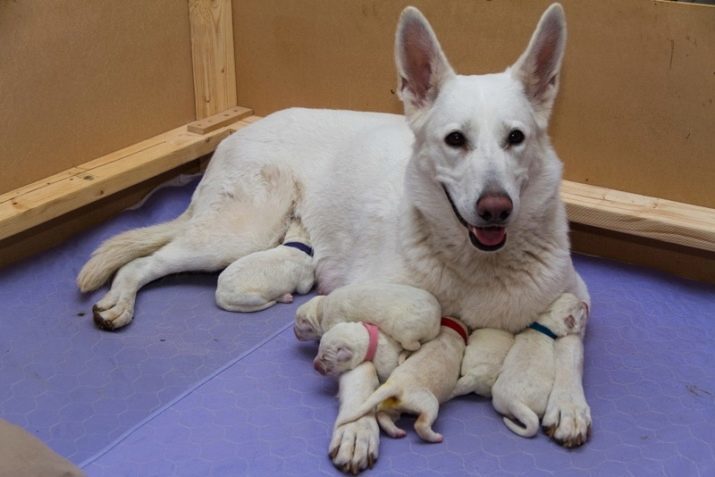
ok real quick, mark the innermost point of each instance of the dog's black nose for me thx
(494, 208)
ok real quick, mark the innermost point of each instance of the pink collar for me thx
(456, 325)
(373, 332)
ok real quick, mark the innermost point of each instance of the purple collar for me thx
(300, 246)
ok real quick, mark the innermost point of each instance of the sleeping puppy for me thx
(262, 279)
(426, 379)
(344, 346)
(522, 389)
(409, 315)
(483, 359)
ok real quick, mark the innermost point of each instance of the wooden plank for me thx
(206, 125)
(50, 198)
(213, 57)
(633, 214)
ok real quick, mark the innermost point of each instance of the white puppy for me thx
(409, 315)
(483, 359)
(344, 346)
(426, 379)
(522, 389)
(262, 279)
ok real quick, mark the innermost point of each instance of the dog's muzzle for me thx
(487, 238)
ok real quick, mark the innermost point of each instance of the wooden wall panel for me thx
(80, 79)
(636, 108)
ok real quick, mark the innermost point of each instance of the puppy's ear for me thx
(422, 67)
(343, 354)
(570, 322)
(538, 67)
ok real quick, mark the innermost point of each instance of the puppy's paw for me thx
(113, 311)
(567, 421)
(354, 447)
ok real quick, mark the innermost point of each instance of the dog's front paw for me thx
(355, 446)
(567, 420)
(113, 311)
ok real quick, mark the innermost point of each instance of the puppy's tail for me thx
(123, 248)
(526, 416)
(384, 392)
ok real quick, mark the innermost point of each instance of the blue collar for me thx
(300, 246)
(543, 329)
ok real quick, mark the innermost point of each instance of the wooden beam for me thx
(212, 54)
(633, 214)
(206, 125)
(54, 196)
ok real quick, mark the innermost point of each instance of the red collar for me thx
(373, 332)
(457, 326)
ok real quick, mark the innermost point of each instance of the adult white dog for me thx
(460, 197)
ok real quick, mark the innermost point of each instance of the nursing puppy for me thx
(409, 315)
(346, 345)
(262, 279)
(522, 389)
(426, 379)
(483, 359)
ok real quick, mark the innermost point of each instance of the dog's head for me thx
(307, 320)
(337, 351)
(480, 140)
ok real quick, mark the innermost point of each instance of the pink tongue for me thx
(489, 235)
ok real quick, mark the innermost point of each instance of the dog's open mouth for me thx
(487, 239)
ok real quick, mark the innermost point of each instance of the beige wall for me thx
(636, 108)
(79, 79)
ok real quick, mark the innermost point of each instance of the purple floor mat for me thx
(191, 390)
(79, 389)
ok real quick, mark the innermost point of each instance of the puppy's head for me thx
(340, 349)
(307, 320)
(567, 315)
(480, 140)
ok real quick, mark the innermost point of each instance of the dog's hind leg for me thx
(427, 405)
(224, 232)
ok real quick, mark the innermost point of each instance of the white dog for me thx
(522, 389)
(459, 197)
(420, 384)
(483, 359)
(262, 279)
(344, 346)
(409, 315)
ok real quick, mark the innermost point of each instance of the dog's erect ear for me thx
(421, 65)
(538, 67)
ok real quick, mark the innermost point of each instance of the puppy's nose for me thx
(319, 366)
(494, 207)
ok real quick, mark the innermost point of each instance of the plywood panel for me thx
(636, 109)
(81, 79)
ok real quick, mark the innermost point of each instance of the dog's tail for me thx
(384, 392)
(123, 248)
(526, 416)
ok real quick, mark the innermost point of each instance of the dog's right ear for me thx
(422, 67)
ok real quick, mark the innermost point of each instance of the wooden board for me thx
(636, 108)
(213, 56)
(69, 190)
(82, 79)
(211, 123)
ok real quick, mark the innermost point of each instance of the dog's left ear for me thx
(538, 67)
(421, 65)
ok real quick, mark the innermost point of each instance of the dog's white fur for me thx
(343, 347)
(522, 389)
(482, 362)
(409, 315)
(373, 202)
(262, 279)
(419, 385)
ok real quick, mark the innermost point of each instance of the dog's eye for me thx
(515, 137)
(455, 139)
